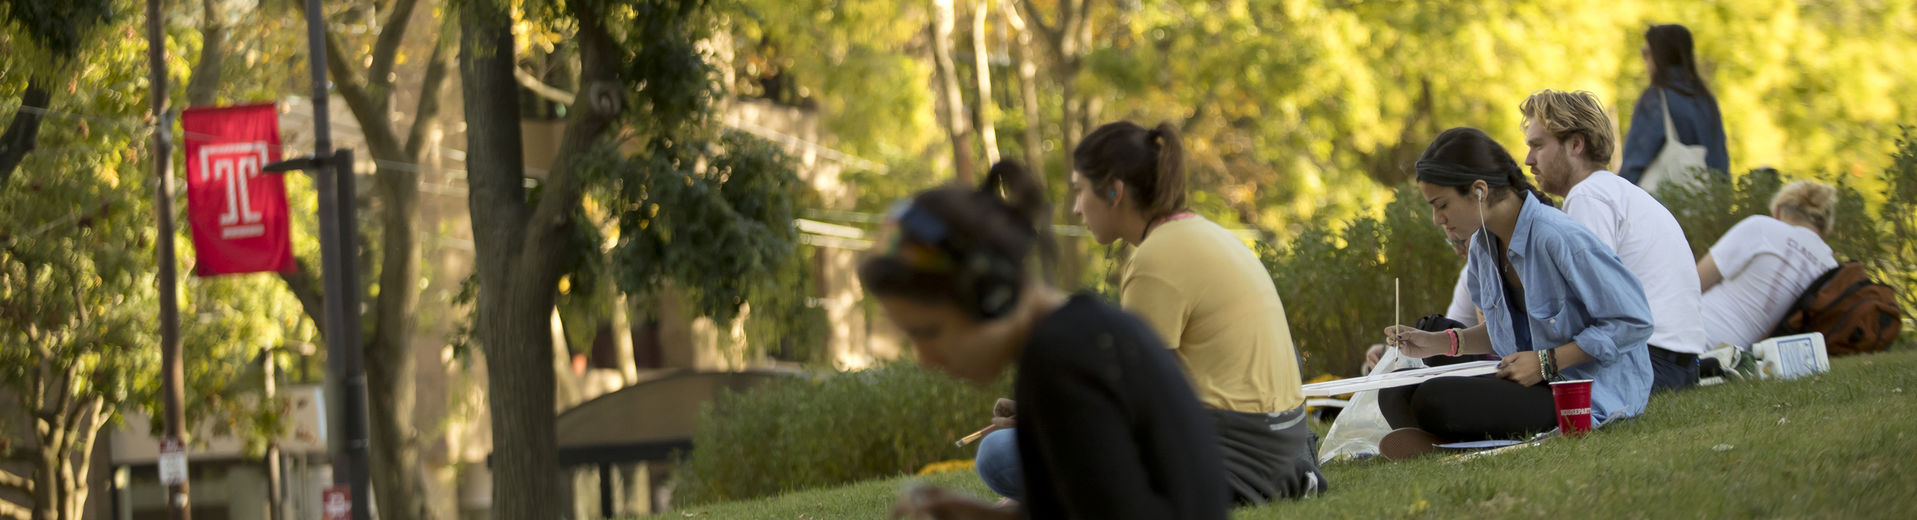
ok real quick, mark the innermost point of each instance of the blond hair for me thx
(1565, 114)
(1813, 202)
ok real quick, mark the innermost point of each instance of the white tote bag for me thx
(1676, 161)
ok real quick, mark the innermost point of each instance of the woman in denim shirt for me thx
(1673, 68)
(1582, 315)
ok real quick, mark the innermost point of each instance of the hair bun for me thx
(1811, 200)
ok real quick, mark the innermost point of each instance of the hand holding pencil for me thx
(1004, 417)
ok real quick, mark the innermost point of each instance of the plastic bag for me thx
(1355, 435)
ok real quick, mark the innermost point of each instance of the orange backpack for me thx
(1855, 314)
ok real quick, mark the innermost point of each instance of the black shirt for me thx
(1108, 425)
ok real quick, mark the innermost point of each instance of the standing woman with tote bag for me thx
(1676, 127)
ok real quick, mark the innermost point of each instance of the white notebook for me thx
(1400, 378)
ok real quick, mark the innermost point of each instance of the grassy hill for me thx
(1841, 445)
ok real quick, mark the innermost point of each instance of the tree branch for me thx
(599, 58)
(380, 139)
(9, 511)
(428, 110)
(23, 133)
(9, 480)
(305, 285)
(1075, 26)
(1049, 33)
(80, 464)
(386, 48)
(70, 404)
(203, 87)
(549, 92)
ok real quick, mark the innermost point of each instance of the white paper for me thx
(172, 463)
(1401, 378)
(1479, 445)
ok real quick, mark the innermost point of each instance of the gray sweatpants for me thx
(1268, 456)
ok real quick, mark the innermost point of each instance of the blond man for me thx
(1571, 140)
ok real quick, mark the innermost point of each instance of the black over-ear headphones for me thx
(987, 284)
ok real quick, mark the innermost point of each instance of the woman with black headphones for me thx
(1108, 426)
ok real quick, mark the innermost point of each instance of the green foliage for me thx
(1894, 261)
(721, 232)
(1707, 210)
(78, 270)
(61, 29)
(1295, 112)
(851, 59)
(807, 433)
(1337, 285)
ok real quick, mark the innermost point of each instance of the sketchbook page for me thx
(1400, 378)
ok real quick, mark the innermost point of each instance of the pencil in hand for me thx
(974, 437)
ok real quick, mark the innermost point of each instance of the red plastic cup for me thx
(1573, 399)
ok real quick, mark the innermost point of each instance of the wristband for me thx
(1453, 334)
(1546, 368)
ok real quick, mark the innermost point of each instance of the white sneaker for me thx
(1736, 364)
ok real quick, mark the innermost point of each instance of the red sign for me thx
(336, 503)
(237, 210)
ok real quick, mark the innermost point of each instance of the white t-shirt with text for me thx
(1766, 265)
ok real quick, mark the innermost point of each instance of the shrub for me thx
(1337, 285)
(839, 428)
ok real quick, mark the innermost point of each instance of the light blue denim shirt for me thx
(1575, 289)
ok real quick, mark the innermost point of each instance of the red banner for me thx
(238, 211)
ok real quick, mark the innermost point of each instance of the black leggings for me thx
(1460, 409)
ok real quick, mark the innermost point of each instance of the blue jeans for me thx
(997, 463)
(1667, 375)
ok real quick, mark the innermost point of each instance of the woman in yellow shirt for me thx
(1211, 301)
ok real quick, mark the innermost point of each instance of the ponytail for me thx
(998, 222)
(1169, 184)
(1151, 163)
(1019, 191)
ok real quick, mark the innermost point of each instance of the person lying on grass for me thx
(1556, 302)
(1108, 426)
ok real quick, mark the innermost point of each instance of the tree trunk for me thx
(520, 247)
(23, 133)
(512, 326)
(203, 88)
(982, 63)
(957, 125)
(399, 484)
(66, 432)
(566, 384)
(398, 478)
(622, 335)
(1067, 272)
(1028, 93)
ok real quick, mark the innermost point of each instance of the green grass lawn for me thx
(1842, 445)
